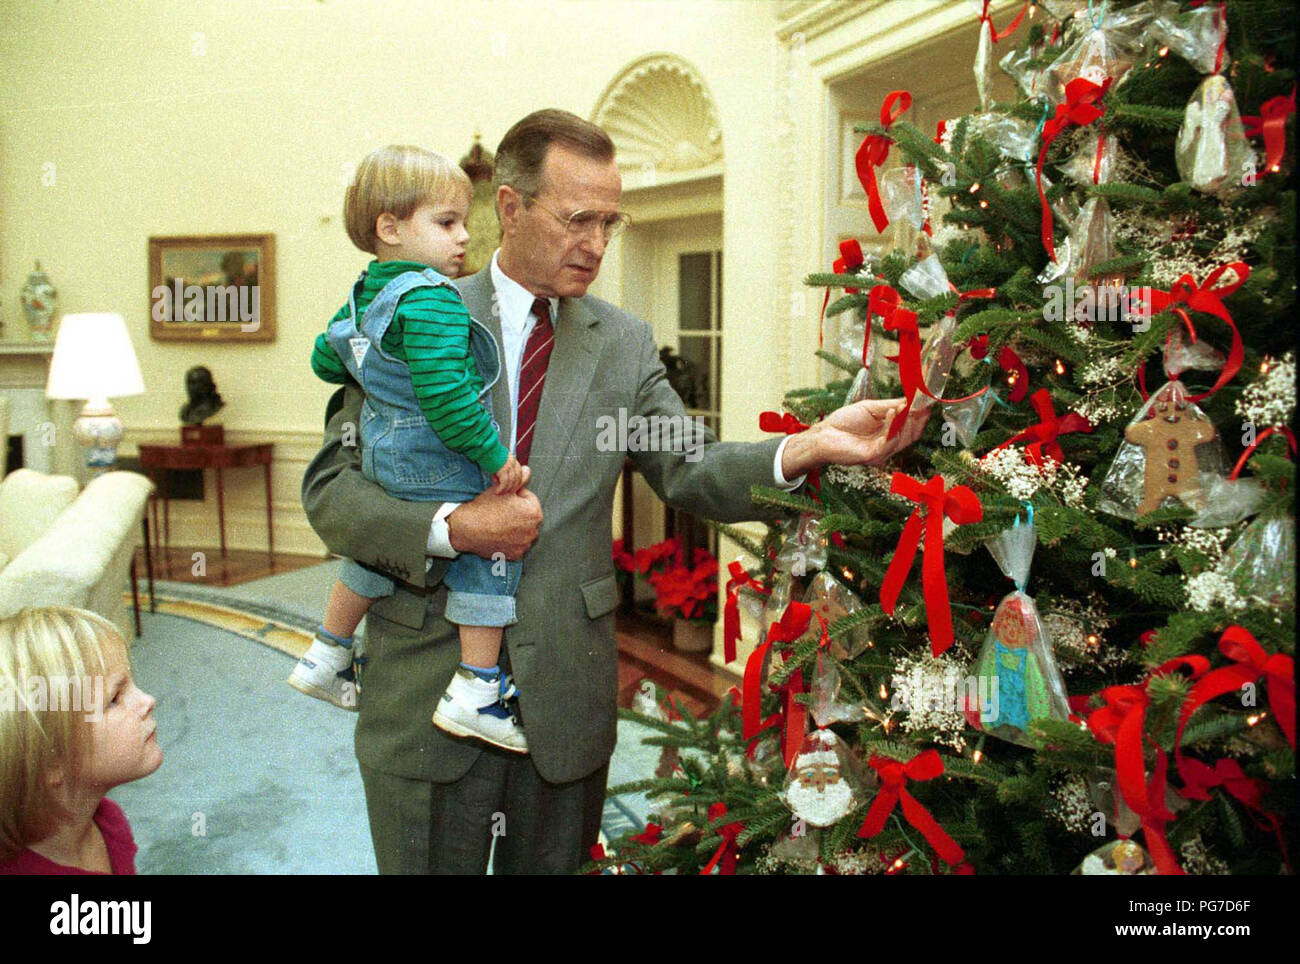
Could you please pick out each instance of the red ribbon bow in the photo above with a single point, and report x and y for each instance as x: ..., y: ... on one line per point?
x: 1271, y: 124
x: 1250, y: 662
x: 1008, y: 361
x: 727, y: 855
x: 782, y: 422
x: 1205, y: 297
x: 1227, y: 773
x: 893, y: 790
x: 1042, y: 437
x: 1080, y: 107
x: 959, y: 504
x: 850, y: 260
x: 875, y: 151
x: 731, y: 609
x: 791, y: 626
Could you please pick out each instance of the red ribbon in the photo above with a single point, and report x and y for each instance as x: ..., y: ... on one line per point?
x: 1155, y: 816
x: 1250, y: 662
x: 1206, y: 298
x: 875, y: 151
x: 791, y: 626
x: 959, y: 504
x: 1008, y: 361
x: 1042, y: 437
x: 731, y: 608
x: 1245, y: 456
x: 1249, y: 792
x: 782, y: 422
x: 1010, y: 28
x: 1271, y: 124
x: 850, y: 260
x: 727, y: 855
x: 893, y: 790
x: 1080, y: 107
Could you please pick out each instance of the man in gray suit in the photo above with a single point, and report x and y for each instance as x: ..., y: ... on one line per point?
x: 436, y: 804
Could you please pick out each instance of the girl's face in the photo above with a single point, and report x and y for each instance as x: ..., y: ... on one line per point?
x: 124, y: 745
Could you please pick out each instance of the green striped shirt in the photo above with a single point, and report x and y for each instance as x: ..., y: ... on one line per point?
x: 430, y: 333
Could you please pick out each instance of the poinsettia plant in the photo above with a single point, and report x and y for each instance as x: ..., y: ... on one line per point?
x: 682, y: 591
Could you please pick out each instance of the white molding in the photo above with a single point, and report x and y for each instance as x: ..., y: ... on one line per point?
x: 663, y: 120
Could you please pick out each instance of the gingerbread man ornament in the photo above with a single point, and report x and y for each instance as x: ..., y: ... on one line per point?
x: 1169, y: 435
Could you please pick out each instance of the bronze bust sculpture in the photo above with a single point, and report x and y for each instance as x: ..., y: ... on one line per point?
x: 205, y: 400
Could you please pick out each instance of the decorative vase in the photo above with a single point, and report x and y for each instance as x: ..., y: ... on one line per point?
x: 692, y: 637
x: 40, y: 301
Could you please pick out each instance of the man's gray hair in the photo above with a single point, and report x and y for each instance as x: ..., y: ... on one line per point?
x: 521, y: 153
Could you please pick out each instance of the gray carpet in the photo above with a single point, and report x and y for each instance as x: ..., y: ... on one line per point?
x: 256, y: 778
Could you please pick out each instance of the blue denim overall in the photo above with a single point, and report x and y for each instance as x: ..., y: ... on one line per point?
x: 401, y: 451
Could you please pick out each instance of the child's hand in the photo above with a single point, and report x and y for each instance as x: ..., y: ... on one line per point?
x: 511, y: 477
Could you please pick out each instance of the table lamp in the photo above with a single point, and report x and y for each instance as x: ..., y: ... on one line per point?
x: 93, y: 359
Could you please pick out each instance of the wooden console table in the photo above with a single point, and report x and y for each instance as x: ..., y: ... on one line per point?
x: 157, y: 459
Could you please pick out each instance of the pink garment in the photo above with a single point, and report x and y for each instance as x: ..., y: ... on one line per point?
x: 121, y: 846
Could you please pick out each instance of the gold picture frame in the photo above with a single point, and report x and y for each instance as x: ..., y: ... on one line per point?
x: 214, y: 287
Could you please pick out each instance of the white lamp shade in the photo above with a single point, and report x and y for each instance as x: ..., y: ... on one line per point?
x: 93, y: 358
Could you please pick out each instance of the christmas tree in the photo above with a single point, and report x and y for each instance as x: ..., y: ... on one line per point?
x: 1057, y: 633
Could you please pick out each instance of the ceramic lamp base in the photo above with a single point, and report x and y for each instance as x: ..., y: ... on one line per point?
x: 98, y: 430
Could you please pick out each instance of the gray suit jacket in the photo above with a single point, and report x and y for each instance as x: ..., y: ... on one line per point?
x: 562, y: 651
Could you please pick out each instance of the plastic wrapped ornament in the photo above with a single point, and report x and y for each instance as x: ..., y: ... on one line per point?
x: 1034, y: 82
x: 1262, y: 560
x: 804, y: 547
x: 777, y: 601
x: 1195, y: 35
x: 1228, y: 501
x: 928, y: 279
x: 968, y: 416
x: 1170, y: 451
x: 1023, y: 683
x: 822, y: 785
x: 1106, y: 49
x: 827, y: 707
x: 901, y: 198
x: 984, y: 63
x: 830, y: 599
x: 1212, y: 152
x: 1117, y: 858
x: 1012, y: 137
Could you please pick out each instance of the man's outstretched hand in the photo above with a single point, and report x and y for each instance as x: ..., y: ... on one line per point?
x: 853, y: 435
x: 491, y: 522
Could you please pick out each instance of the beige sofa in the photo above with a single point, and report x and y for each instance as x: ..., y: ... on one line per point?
x: 61, y: 547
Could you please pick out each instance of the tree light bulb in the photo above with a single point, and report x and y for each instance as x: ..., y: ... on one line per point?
x: 1263, y: 366
x: 977, y: 755
x: 1060, y: 368
x: 1092, y: 640
x: 884, y: 693
x: 1164, y: 51
x: 975, y: 187
x: 984, y: 203
x: 1132, y: 562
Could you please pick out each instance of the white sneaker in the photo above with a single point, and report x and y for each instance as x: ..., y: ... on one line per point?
x: 325, y: 672
x: 475, y: 707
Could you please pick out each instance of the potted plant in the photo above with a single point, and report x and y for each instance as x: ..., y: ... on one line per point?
x: 686, y: 594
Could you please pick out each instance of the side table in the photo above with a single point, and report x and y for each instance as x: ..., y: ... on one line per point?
x: 156, y: 459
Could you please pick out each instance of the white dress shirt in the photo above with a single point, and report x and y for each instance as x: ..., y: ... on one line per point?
x: 514, y: 302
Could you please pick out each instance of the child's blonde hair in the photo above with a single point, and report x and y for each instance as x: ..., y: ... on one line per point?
x: 45, y: 644
x: 396, y: 180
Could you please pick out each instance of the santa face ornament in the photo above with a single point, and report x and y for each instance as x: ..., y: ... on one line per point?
x: 1212, y: 152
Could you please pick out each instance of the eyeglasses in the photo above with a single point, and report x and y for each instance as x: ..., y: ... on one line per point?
x: 587, y: 222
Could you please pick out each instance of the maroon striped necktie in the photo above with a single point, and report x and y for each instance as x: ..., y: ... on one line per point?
x: 532, y: 375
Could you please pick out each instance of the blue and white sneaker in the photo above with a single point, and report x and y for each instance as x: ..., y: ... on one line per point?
x: 480, y: 709
x: 325, y: 672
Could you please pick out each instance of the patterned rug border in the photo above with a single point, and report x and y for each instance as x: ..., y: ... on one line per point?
x: 262, y: 624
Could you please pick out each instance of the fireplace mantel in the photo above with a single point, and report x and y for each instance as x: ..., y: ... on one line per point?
x: 45, y: 424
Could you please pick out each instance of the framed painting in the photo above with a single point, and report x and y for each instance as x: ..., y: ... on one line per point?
x: 218, y: 287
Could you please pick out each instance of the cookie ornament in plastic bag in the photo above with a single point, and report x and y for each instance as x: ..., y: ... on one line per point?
x: 901, y: 198
x: 1110, y: 40
x: 1119, y: 858
x: 1212, y: 152
x: 1016, y: 659
x: 832, y: 601
x: 827, y: 707
x: 804, y: 547
x: 1171, y: 450
x: 822, y: 786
